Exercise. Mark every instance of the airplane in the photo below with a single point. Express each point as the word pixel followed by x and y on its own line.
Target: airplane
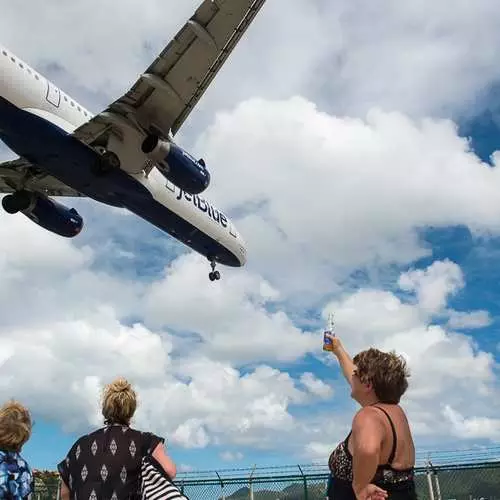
pixel 125 156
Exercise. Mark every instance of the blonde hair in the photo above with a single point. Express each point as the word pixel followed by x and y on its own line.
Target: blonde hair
pixel 119 402
pixel 15 426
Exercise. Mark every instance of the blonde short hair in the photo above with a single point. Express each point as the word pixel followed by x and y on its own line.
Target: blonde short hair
pixel 119 402
pixel 15 426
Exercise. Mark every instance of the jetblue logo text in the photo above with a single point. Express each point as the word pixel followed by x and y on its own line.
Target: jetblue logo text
pixel 204 206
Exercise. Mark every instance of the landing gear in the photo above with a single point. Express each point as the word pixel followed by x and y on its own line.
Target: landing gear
pixel 16 202
pixel 106 163
pixel 214 275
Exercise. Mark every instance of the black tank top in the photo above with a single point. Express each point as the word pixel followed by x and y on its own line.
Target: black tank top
pixel 398 483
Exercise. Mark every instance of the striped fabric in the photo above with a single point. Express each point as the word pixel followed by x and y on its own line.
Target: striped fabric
pixel 155 483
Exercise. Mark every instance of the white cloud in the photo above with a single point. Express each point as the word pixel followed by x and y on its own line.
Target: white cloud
pixel 322 195
pixel 433 285
pixel 53 255
pixel 229 456
pixel 191 434
pixel 316 386
pixel 59 372
pixel 421 58
pixel 464 320
pixel 317 451
pixel 473 427
pixel 217 404
pixel 230 317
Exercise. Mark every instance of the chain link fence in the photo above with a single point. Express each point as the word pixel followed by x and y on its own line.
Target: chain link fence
pixel 473 481
pixel 464 482
pixel 276 483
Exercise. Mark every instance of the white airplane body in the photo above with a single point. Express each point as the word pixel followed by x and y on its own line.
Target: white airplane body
pixel 124 156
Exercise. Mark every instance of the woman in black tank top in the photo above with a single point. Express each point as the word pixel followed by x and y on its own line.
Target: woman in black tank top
pixel 376 379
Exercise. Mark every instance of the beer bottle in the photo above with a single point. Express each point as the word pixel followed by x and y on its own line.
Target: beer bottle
pixel 327 343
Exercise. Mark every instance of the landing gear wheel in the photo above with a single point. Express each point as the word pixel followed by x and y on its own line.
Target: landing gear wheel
pixel 214 275
pixel 107 162
pixel 16 202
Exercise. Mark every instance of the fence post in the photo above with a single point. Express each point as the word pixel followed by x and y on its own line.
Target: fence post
pixel 250 481
pixel 305 483
pixel 429 482
pixel 436 480
pixel 221 485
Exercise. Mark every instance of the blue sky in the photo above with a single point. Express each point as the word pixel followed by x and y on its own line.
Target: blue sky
pixel 346 169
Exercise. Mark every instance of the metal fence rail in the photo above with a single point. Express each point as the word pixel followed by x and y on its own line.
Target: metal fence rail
pixel 473 481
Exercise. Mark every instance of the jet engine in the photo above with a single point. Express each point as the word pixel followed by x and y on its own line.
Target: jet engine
pixel 45 212
pixel 177 165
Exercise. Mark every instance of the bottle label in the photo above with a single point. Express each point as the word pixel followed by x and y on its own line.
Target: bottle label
pixel 327 343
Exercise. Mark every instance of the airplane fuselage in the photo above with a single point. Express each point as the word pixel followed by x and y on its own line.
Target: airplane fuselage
pixel 37 120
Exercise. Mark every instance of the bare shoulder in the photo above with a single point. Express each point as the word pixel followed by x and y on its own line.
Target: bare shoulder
pixel 367 416
pixel 368 412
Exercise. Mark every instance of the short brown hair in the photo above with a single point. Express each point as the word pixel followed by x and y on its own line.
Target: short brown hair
pixel 15 426
pixel 386 371
pixel 119 402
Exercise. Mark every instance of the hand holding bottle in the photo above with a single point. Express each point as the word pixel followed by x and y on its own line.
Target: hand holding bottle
pixel 331 343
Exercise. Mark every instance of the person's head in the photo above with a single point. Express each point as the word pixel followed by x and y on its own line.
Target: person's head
pixel 15 426
pixel 379 377
pixel 119 402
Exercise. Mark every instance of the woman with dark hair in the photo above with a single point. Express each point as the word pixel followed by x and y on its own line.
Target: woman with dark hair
pixel 106 464
pixel 377 458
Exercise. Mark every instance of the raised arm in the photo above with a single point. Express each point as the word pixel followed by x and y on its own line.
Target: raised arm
pixel 343 357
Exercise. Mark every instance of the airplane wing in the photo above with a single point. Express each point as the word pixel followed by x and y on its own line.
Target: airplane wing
pixel 164 95
pixel 15 173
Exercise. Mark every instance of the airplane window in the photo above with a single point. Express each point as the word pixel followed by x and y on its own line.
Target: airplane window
pixel 29 71
pixel 65 98
pixel 85 113
pixel 20 65
pixel 12 59
pixel 4 53
pixel 37 77
pixel 79 108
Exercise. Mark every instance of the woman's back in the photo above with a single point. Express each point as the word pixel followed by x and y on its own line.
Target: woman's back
pixel 16 478
pixel 394 472
pixel 106 463
pixel 398 440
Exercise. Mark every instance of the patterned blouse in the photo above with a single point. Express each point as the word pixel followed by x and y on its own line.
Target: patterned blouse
pixel 106 464
pixel 16 478
pixel 398 483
